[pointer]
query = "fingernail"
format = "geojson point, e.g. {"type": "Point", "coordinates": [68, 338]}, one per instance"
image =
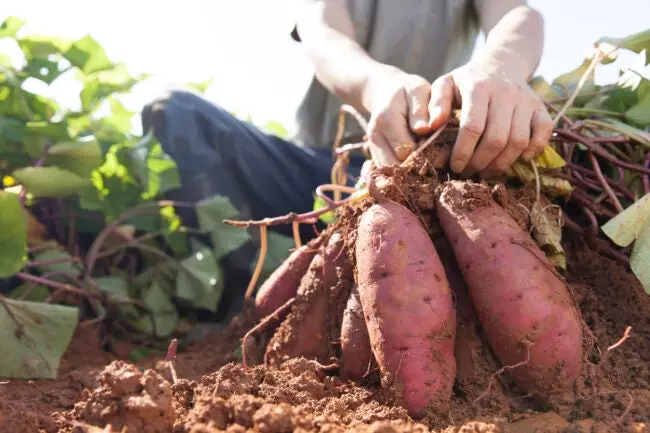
{"type": "Point", "coordinates": [527, 156]}
{"type": "Point", "coordinates": [420, 124]}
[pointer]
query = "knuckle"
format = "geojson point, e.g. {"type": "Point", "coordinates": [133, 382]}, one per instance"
{"type": "Point", "coordinates": [520, 143]}
{"type": "Point", "coordinates": [498, 142]}
{"type": "Point", "coordinates": [473, 128]}
{"type": "Point", "coordinates": [481, 87]}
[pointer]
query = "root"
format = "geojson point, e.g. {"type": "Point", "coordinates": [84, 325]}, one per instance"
{"type": "Point", "coordinates": [502, 370]}
{"type": "Point", "coordinates": [263, 323]}
{"type": "Point", "coordinates": [171, 356]}
{"type": "Point", "coordinates": [625, 336]}
{"type": "Point", "coordinates": [259, 265]}
{"type": "Point", "coordinates": [296, 234]}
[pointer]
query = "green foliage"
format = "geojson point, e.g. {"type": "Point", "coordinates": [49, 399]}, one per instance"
{"type": "Point", "coordinates": [13, 235]}
{"type": "Point", "coordinates": [34, 337]}
{"type": "Point", "coordinates": [113, 183]}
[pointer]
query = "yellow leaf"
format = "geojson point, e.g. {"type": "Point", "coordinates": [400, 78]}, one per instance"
{"type": "Point", "coordinates": [549, 158]}
{"type": "Point", "coordinates": [550, 185]}
{"type": "Point", "coordinates": [547, 232]}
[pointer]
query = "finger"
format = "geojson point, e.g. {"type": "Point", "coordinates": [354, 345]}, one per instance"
{"type": "Point", "coordinates": [381, 151]}
{"type": "Point", "coordinates": [495, 137]}
{"type": "Point", "coordinates": [473, 116]}
{"type": "Point", "coordinates": [442, 98]}
{"type": "Point", "coordinates": [518, 141]}
{"type": "Point", "coordinates": [418, 100]}
{"type": "Point", "coordinates": [393, 128]}
{"type": "Point", "coordinates": [542, 126]}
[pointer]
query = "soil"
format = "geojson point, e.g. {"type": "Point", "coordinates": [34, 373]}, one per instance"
{"type": "Point", "coordinates": [214, 392]}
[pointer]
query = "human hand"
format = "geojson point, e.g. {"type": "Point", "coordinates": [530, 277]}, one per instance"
{"type": "Point", "coordinates": [501, 118]}
{"type": "Point", "coordinates": [399, 107]}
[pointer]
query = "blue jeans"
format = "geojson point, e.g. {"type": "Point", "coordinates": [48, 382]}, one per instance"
{"type": "Point", "coordinates": [216, 153]}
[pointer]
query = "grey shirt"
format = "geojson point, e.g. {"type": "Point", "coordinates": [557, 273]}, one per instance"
{"type": "Point", "coordinates": [424, 37]}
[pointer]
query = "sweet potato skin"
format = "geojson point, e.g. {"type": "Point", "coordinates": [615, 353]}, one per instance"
{"type": "Point", "coordinates": [305, 331]}
{"type": "Point", "coordinates": [524, 307]}
{"type": "Point", "coordinates": [283, 283]}
{"type": "Point", "coordinates": [408, 307]}
{"type": "Point", "coordinates": [356, 355]}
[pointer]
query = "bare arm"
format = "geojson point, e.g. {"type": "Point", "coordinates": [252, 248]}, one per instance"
{"type": "Point", "coordinates": [341, 64]}
{"type": "Point", "coordinates": [515, 35]}
{"type": "Point", "coordinates": [397, 101]}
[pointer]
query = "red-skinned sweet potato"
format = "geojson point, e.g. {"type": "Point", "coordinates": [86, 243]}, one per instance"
{"type": "Point", "coordinates": [305, 331]}
{"type": "Point", "coordinates": [283, 283]}
{"type": "Point", "coordinates": [408, 307]}
{"type": "Point", "coordinates": [524, 306]}
{"type": "Point", "coordinates": [356, 355]}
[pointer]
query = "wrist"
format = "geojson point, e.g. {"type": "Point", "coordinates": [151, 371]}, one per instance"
{"type": "Point", "coordinates": [376, 77]}
{"type": "Point", "coordinates": [506, 62]}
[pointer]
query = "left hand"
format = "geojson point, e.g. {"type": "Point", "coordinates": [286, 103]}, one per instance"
{"type": "Point", "coordinates": [501, 118]}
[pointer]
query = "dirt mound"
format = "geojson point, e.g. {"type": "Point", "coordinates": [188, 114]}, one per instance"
{"type": "Point", "coordinates": [215, 393]}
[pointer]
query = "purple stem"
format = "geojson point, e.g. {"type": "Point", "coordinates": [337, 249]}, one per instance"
{"type": "Point", "coordinates": [646, 181]}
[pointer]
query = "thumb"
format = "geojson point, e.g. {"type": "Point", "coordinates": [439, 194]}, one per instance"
{"type": "Point", "coordinates": [442, 96]}
{"type": "Point", "coordinates": [418, 101]}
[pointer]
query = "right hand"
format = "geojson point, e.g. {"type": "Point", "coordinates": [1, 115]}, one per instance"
{"type": "Point", "coordinates": [399, 106]}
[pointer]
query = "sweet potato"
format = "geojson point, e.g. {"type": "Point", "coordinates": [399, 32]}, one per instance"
{"type": "Point", "coordinates": [283, 283]}
{"type": "Point", "coordinates": [305, 331]}
{"type": "Point", "coordinates": [524, 306]}
{"type": "Point", "coordinates": [408, 307]}
{"type": "Point", "coordinates": [356, 356]}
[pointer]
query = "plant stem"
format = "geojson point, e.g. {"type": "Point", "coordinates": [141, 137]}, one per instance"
{"type": "Point", "coordinates": [608, 189]}
{"type": "Point", "coordinates": [598, 150]}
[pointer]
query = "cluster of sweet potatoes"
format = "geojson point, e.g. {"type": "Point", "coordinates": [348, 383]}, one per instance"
{"type": "Point", "coordinates": [383, 299]}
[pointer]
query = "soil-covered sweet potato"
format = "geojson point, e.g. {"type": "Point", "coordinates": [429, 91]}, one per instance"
{"type": "Point", "coordinates": [282, 284]}
{"type": "Point", "coordinates": [408, 307]}
{"type": "Point", "coordinates": [525, 307]}
{"type": "Point", "coordinates": [306, 329]}
{"type": "Point", "coordinates": [356, 356]}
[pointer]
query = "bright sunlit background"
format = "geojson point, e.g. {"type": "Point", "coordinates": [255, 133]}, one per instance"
{"type": "Point", "coordinates": [244, 45]}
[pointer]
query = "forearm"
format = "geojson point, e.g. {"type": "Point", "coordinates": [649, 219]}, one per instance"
{"type": "Point", "coordinates": [340, 63]}
{"type": "Point", "coordinates": [516, 41]}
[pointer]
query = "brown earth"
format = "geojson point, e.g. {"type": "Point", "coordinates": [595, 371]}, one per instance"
{"type": "Point", "coordinates": [214, 392]}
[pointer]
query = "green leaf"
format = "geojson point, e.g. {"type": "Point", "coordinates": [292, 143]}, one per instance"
{"type": "Point", "coordinates": [41, 47]}
{"type": "Point", "coordinates": [43, 69]}
{"type": "Point", "coordinates": [567, 83]}
{"type": "Point", "coordinates": [544, 90]}
{"type": "Point", "coordinates": [640, 112]}
{"type": "Point", "coordinates": [117, 289]}
{"type": "Point", "coordinates": [200, 87]}
{"type": "Point", "coordinates": [328, 217]}
{"type": "Point", "coordinates": [627, 226]}
{"type": "Point", "coordinates": [153, 168]}
{"type": "Point", "coordinates": [636, 42]}
{"type": "Point", "coordinates": [636, 134]}
{"type": "Point", "coordinates": [54, 130]}
{"type": "Point", "coordinates": [80, 157]}
{"type": "Point", "coordinates": [37, 293]}
{"type": "Point", "coordinates": [163, 312]}
{"type": "Point", "coordinates": [11, 130]}
{"type": "Point", "coordinates": [210, 213]}
{"type": "Point", "coordinates": [88, 55]}
{"type": "Point", "coordinates": [101, 84]}
{"type": "Point", "coordinates": [275, 128]}
{"type": "Point", "coordinates": [640, 257]}
{"type": "Point", "coordinates": [11, 26]}
{"type": "Point", "coordinates": [13, 235]}
{"type": "Point", "coordinates": [34, 336]}
{"type": "Point", "coordinates": [50, 181]}
{"type": "Point", "coordinates": [69, 267]}
{"type": "Point", "coordinates": [200, 280]}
